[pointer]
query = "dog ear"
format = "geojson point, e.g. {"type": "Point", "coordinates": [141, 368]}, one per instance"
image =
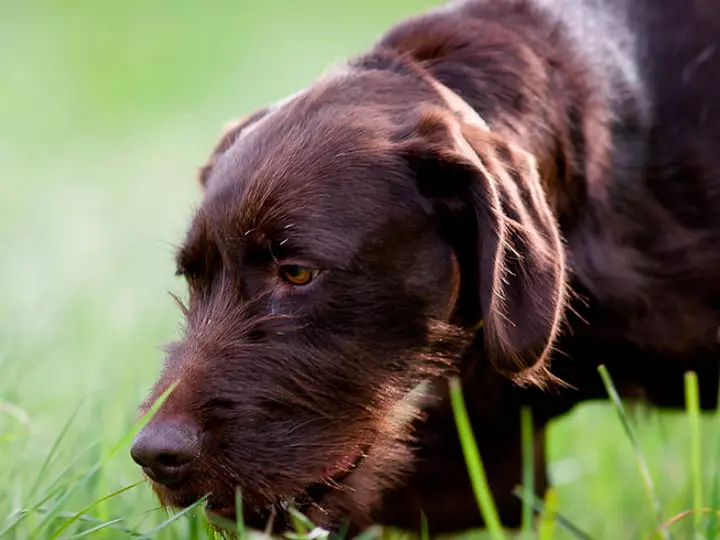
{"type": "Point", "coordinates": [488, 194]}
{"type": "Point", "coordinates": [229, 135]}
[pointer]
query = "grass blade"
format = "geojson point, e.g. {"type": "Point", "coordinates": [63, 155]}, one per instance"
{"type": "Point", "coordinates": [17, 517]}
{"type": "Point", "coordinates": [45, 522]}
{"type": "Point", "coordinates": [172, 519]}
{"type": "Point", "coordinates": [343, 531]}
{"type": "Point", "coordinates": [196, 526]}
{"type": "Point", "coordinates": [539, 506]}
{"type": "Point", "coordinates": [65, 494]}
{"type": "Point", "coordinates": [228, 526]}
{"type": "Point", "coordinates": [474, 462]}
{"type": "Point", "coordinates": [114, 525]}
{"type": "Point", "coordinates": [85, 510]}
{"type": "Point", "coordinates": [301, 523]}
{"type": "Point", "coordinates": [127, 439]}
{"type": "Point", "coordinates": [640, 458]}
{"type": "Point", "coordinates": [53, 450]}
{"type": "Point", "coordinates": [270, 522]}
{"type": "Point", "coordinates": [546, 527]}
{"type": "Point", "coordinates": [239, 520]}
{"type": "Point", "coordinates": [528, 447]}
{"type": "Point", "coordinates": [95, 529]}
{"type": "Point", "coordinates": [371, 533]}
{"type": "Point", "coordinates": [53, 485]}
{"type": "Point", "coordinates": [424, 532]}
{"type": "Point", "coordinates": [51, 490]}
{"type": "Point", "coordinates": [692, 404]}
{"type": "Point", "coordinates": [712, 525]}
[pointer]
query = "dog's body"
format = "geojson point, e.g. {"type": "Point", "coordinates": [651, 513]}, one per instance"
{"type": "Point", "coordinates": [548, 168]}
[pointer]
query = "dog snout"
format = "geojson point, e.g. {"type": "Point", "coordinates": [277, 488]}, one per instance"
{"type": "Point", "coordinates": [166, 450]}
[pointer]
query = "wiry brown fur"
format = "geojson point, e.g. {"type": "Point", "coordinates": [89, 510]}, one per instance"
{"type": "Point", "coordinates": [581, 228]}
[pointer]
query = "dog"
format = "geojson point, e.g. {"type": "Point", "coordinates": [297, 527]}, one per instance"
{"type": "Point", "coordinates": [511, 192]}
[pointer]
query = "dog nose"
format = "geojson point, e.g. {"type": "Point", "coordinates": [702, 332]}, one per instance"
{"type": "Point", "coordinates": [165, 451]}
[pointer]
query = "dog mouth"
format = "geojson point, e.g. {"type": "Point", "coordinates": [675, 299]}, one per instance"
{"type": "Point", "coordinates": [277, 517]}
{"type": "Point", "coordinates": [314, 499]}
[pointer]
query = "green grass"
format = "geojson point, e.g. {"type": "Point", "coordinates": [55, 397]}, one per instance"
{"type": "Point", "coordinates": [106, 110]}
{"type": "Point", "coordinates": [474, 463]}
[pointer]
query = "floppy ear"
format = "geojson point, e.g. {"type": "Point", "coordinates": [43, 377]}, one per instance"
{"type": "Point", "coordinates": [489, 196]}
{"type": "Point", "coordinates": [229, 135]}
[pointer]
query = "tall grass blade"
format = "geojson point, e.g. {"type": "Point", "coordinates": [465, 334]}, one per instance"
{"type": "Point", "coordinates": [125, 441]}
{"type": "Point", "coordinates": [53, 485]}
{"type": "Point", "coordinates": [195, 524]}
{"type": "Point", "coordinates": [424, 532]}
{"type": "Point", "coordinates": [50, 517]}
{"type": "Point", "coordinates": [19, 516]}
{"type": "Point", "coordinates": [270, 522]}
{"type": "Point", "coordinates": [85, 510]}
{"type": "Point", "coordinates": [172, 519]}
{"type": "Point", "coordinates": [639, 457]}
{"type": "Point", "coordinates": [528, 468]}
{"type": "Point", "coordinates": [546, 527]}
{"type": "Point", "coordinates": [343, 531]}
{"type": "Point", "coordinates": [301, 523]}
{"type": "Point", "coordinates": [239, 520]}
{"type": "Point", "coordinates": [692, 404]}
{"type": "Point", "coordinates": [95, 529]}
{"type": "Point", "coordinates": [219, 522]}
{"type": "Point", "coordinates": [65, 493]}
{"type": "Point", "coordinates": [371, 533]}
{"type": "Point", "coordinates": [100, 481]}
{"type": "Point", "coordinates": [50, 491]}
{"type": "Point", "coordinates": [539, 506]}
{"type": "Point", "coordinates": [53, 450]}
{"type": "Point", "coordinates": [474, 462]}
{"type": "Point", "coordinates": [114, 525]}
{"type": "Point", "coordinates": [713, 522]}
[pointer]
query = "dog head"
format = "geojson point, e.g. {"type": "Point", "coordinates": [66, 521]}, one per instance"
{"type": "Point", "coordinates": [349, 242]}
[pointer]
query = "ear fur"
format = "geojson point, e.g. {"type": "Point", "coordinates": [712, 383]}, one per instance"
{"type": "Point", "coordinates": [229, 135]}
{"type": "Point", "coordinates": [516, 272]}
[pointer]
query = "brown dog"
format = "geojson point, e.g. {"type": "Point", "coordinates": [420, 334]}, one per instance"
{"type": "Point", "coordinates": [548, 169]}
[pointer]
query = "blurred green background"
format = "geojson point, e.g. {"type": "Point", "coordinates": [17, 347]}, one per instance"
{"type": "Point", "coordinates": [106, 111]}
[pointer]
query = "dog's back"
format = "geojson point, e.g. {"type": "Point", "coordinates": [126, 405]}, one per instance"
{"type": "Point", "coordinates": [664, 197]}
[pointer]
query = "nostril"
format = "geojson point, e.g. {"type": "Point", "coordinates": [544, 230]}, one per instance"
{"type": "Point", "coordinates": [165, 451]}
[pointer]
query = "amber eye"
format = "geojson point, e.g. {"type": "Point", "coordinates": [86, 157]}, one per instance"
{"type": "Point", "coordinates": [294, 274]}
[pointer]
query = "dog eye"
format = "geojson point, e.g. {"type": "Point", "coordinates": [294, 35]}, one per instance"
{"type": "Point", "coordinates": [297, 275]}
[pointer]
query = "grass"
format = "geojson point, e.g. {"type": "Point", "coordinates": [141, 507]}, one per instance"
{"type": "Point", "coordinates": [474, 463]}
{"type": "Point", "coordinates": [627, 426]}
{"type": "Point", "coordinates": [107, 109]}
